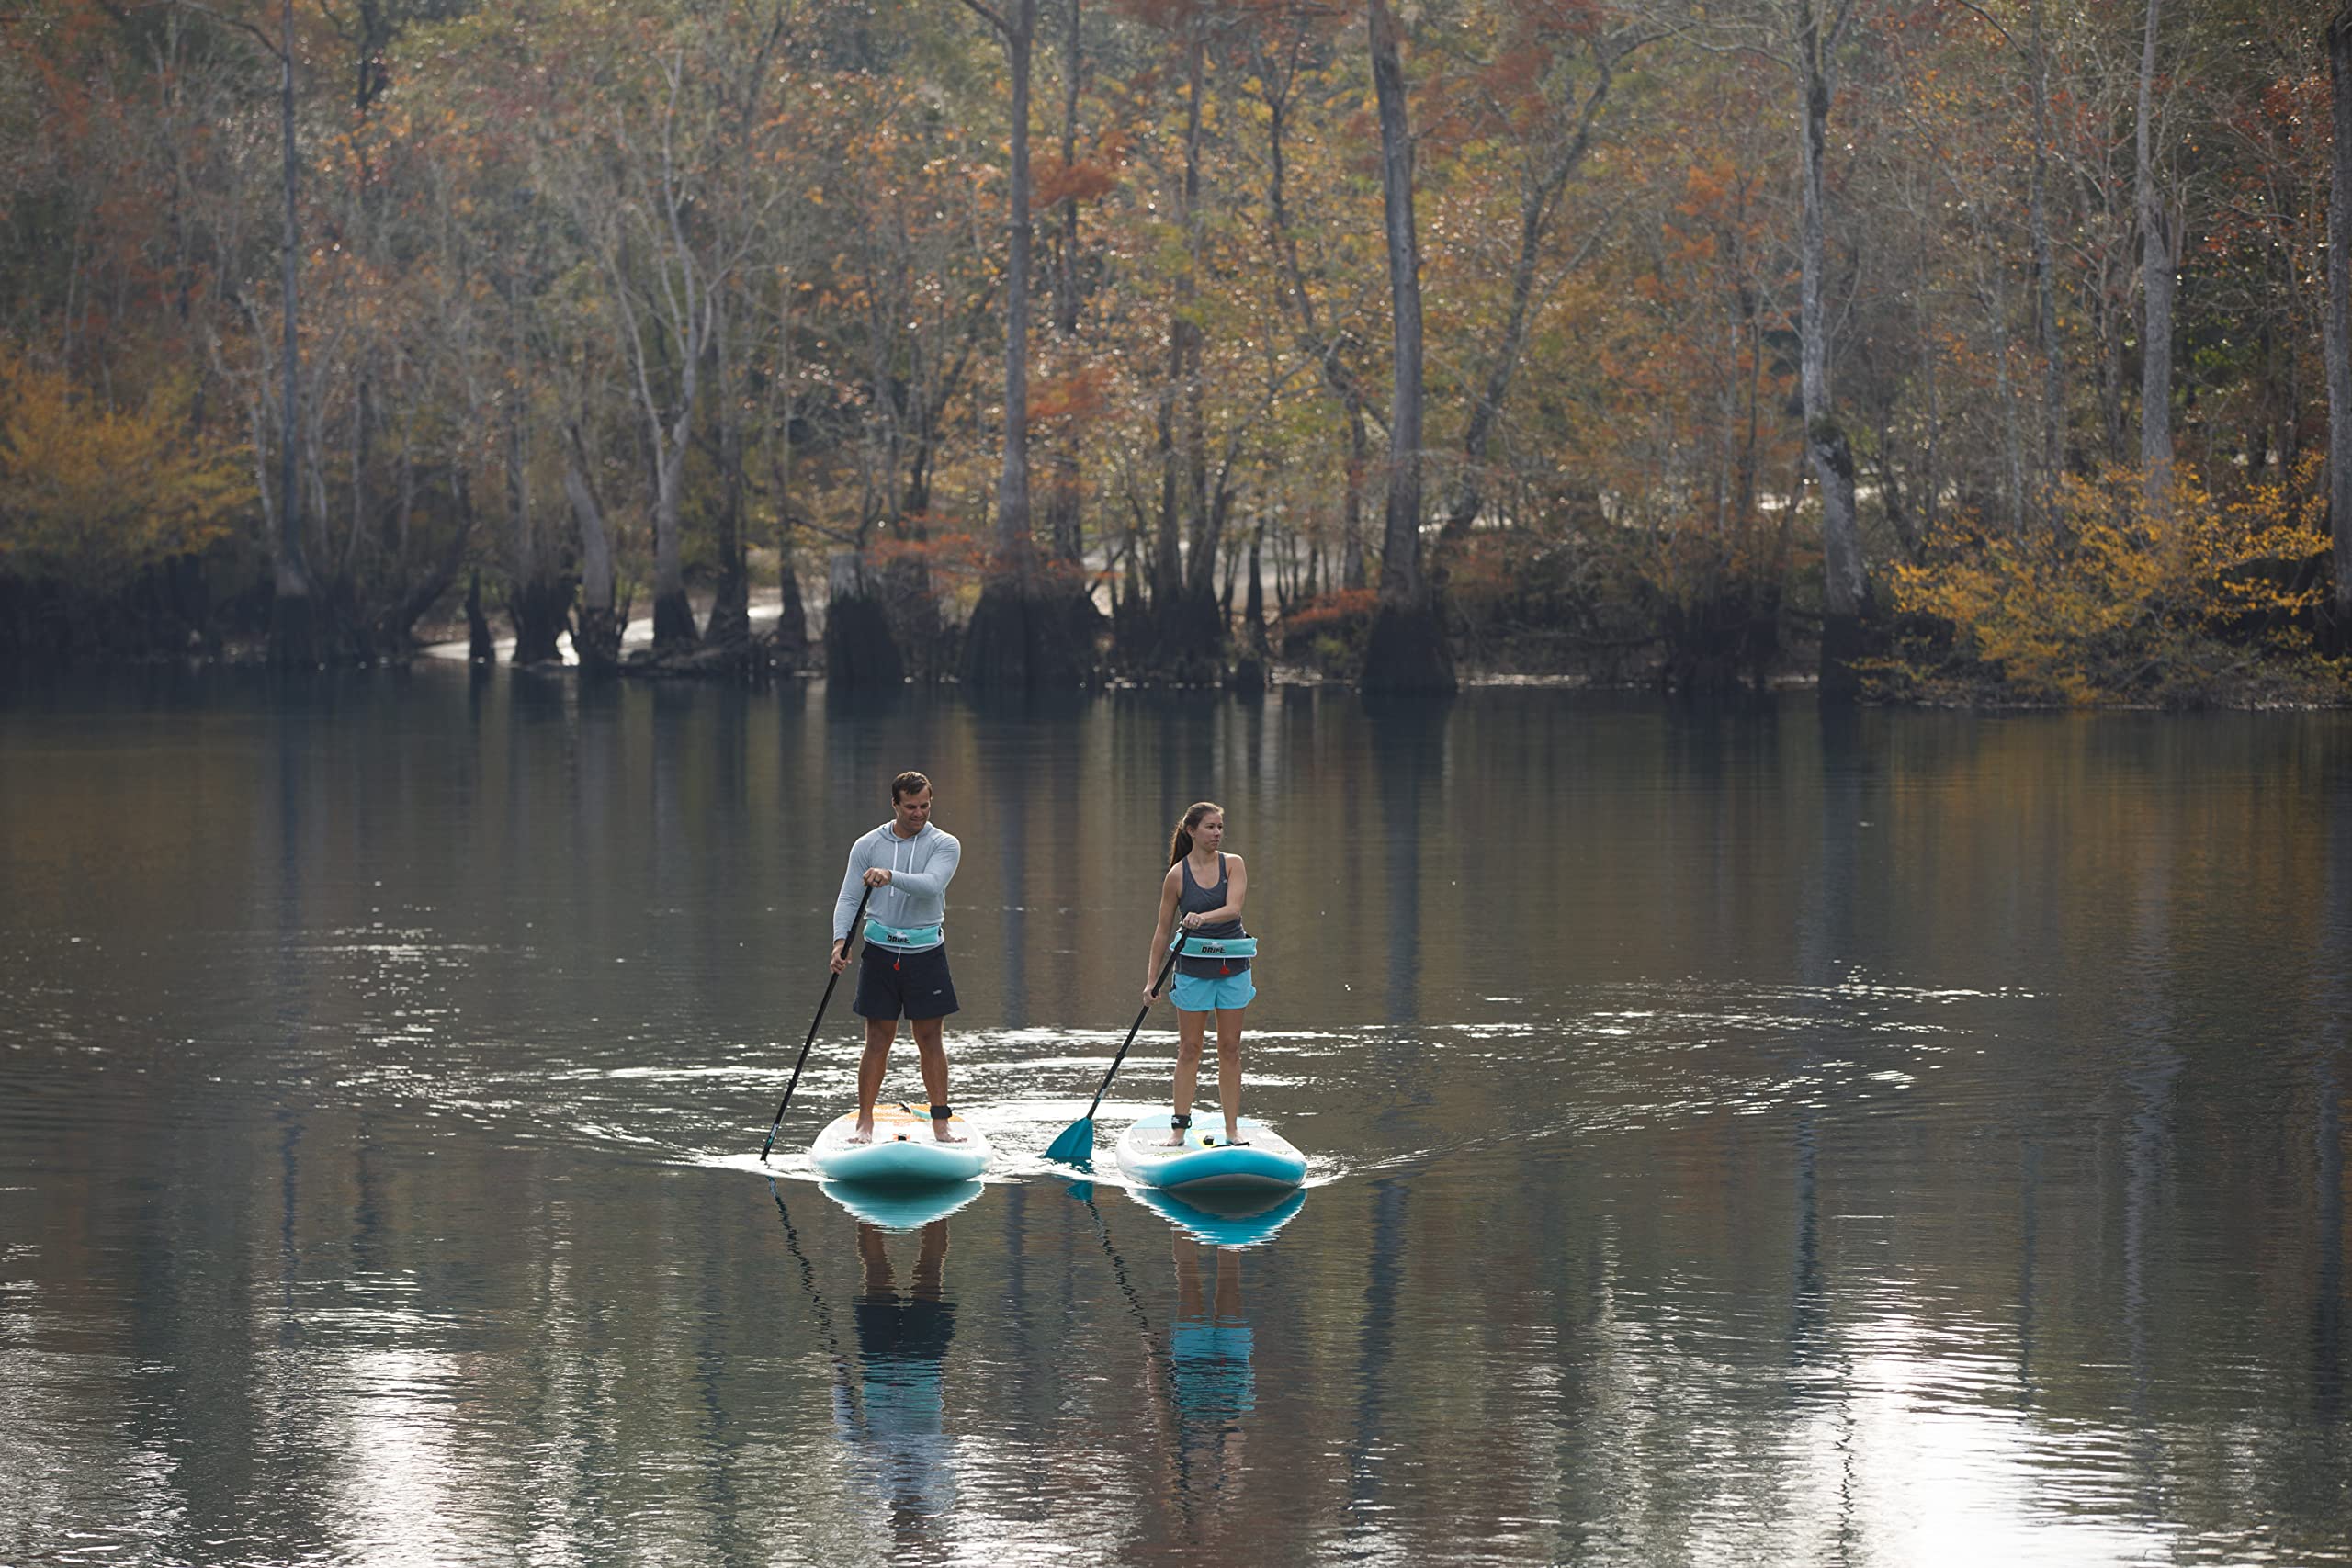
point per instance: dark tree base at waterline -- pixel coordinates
(1845, 642)
(859, 648)
(1024, 636)
(596, 638)
(538, 609)
(673, 624)
(293, 632)
(1406, 654)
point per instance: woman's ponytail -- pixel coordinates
(1180, 844)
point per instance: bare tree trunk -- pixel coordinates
(731, 610)
(596, 634)
(2156, 289)
(1352, 571)
(2045, 278)
(1062, 487)
(1844, 586)
(1169, 584)
(1405, 650)
(687, 312)
(673, 617)
(1013, 486)
(1200, 562)
(532, 602)
(293, 634)
(1168, 556)
(2340, 320)
(1021, 633)
(789, 642)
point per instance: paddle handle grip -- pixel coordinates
(832, 978)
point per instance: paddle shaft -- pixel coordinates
(1173, 949)
(832, 978)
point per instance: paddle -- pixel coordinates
(856, 924)
(1075, 1145)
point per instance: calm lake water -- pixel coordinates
(1740, 1136)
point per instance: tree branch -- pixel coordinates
(988, 15)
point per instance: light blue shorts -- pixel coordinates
(1212, 993)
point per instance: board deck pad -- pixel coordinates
(904, 1151)
(1205, 1162)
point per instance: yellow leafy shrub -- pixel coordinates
(90, 495)
(2122, 600)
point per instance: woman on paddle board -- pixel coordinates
(908, 861)
(1201, 894)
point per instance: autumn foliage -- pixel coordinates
(2198, 600)
(590, 295)
(91, 495)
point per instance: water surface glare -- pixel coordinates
(1752, 1136)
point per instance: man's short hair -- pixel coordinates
(907, 783)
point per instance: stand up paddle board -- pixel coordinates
(903, 1153)
(1263, 1161)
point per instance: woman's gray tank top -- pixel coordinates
(1196, 899)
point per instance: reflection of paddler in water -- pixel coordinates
(890, 1405)
(1205, 1377)
(902, 1339)
(1209, 1348)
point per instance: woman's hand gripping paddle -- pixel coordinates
(857, 925)
(1075, 1145)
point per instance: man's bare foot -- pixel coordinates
(939, 1130)
(865, 1133)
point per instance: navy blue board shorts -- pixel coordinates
(891, 984)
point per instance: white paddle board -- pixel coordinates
(1265, 1161)
(904, 1152)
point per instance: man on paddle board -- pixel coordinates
(1202, 892)
(907, 861)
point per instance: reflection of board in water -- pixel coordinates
(900, 1209)
(1244, 1221)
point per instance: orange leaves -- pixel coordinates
(1053, 182)
(1335, 611)
(1081, 395)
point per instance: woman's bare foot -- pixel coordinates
(865, 1133)
(939, 1130)
(1176, 1137)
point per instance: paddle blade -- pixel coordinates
(1075, 1145)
